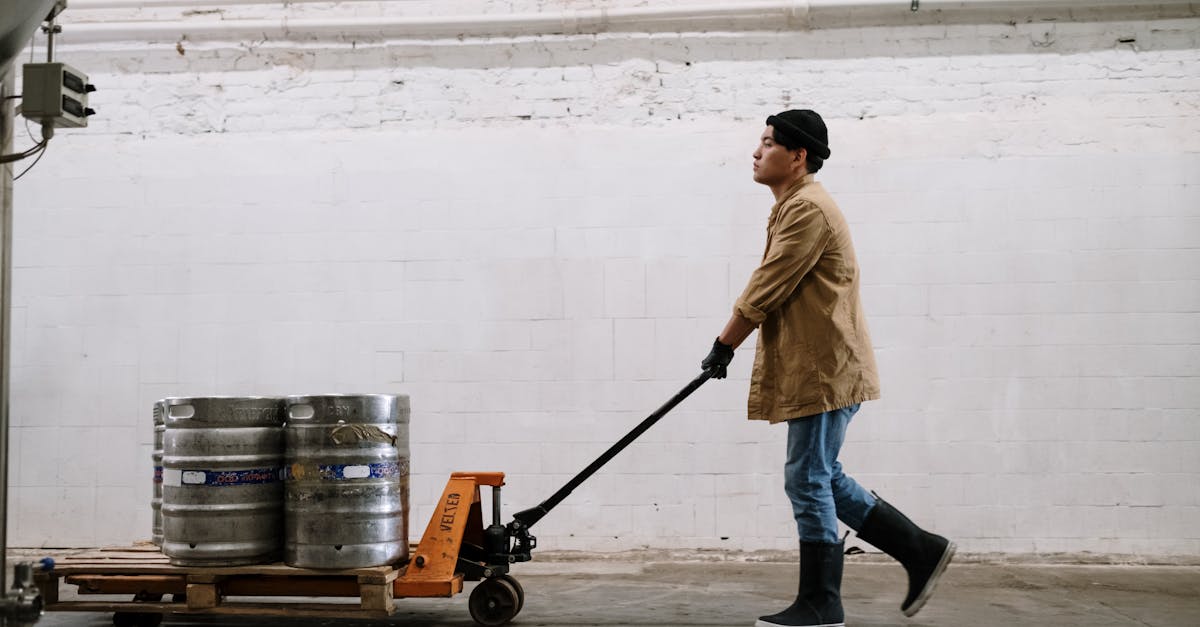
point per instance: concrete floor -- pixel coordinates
(633, 593)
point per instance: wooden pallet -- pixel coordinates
(144, 571)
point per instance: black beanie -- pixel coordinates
(803, 127)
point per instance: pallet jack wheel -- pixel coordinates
(494, 602)
(519, 588)
(136, 619)
(139, 619)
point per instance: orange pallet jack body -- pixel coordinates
(433, 570)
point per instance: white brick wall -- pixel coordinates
(537, 238)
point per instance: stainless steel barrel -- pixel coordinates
(156, 457)
(346, 480)
(222, 485)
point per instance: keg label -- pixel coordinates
(158, 474)
(176, 478)
(269, 414)
(337, 472)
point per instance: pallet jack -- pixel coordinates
(498, 598)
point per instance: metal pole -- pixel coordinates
(737, 16)
(51, 29)
(7, 85)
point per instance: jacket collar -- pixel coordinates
(795, 188)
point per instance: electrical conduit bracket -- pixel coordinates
(797, 15)
(570, 22)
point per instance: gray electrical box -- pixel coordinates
(56, 94)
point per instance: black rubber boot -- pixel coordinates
(819, 600)
(924, 555)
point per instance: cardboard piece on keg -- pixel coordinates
(354, 433)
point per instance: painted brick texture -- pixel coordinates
(537, 238)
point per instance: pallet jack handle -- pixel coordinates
(525, 519)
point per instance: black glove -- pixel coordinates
(718, 358)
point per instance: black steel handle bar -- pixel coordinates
(527, 518)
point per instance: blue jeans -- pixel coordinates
(813, 478)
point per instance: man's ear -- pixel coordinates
(801, 155)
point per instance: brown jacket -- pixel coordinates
(814, 352)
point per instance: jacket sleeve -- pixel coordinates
(801, 234)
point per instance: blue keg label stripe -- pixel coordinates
(158, 478)
(379, 470)
(252, 476)
(338, 472)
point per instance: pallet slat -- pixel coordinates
(157, 564)
(133, 570)
(326, 610)
(127, 584)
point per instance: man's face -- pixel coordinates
(773, 163)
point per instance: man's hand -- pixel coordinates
(718, 359)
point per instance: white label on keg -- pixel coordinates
(356, 472)
(172, 477)
(194, 477)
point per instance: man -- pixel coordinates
(813, 366)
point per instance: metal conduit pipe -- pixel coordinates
(737, 16)
(19, 19)
(188, 4)
(77, 5)
(7, 87)
(535, 23)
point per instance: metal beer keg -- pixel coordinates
(222, 489)
(156, 457)
(346, 480)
